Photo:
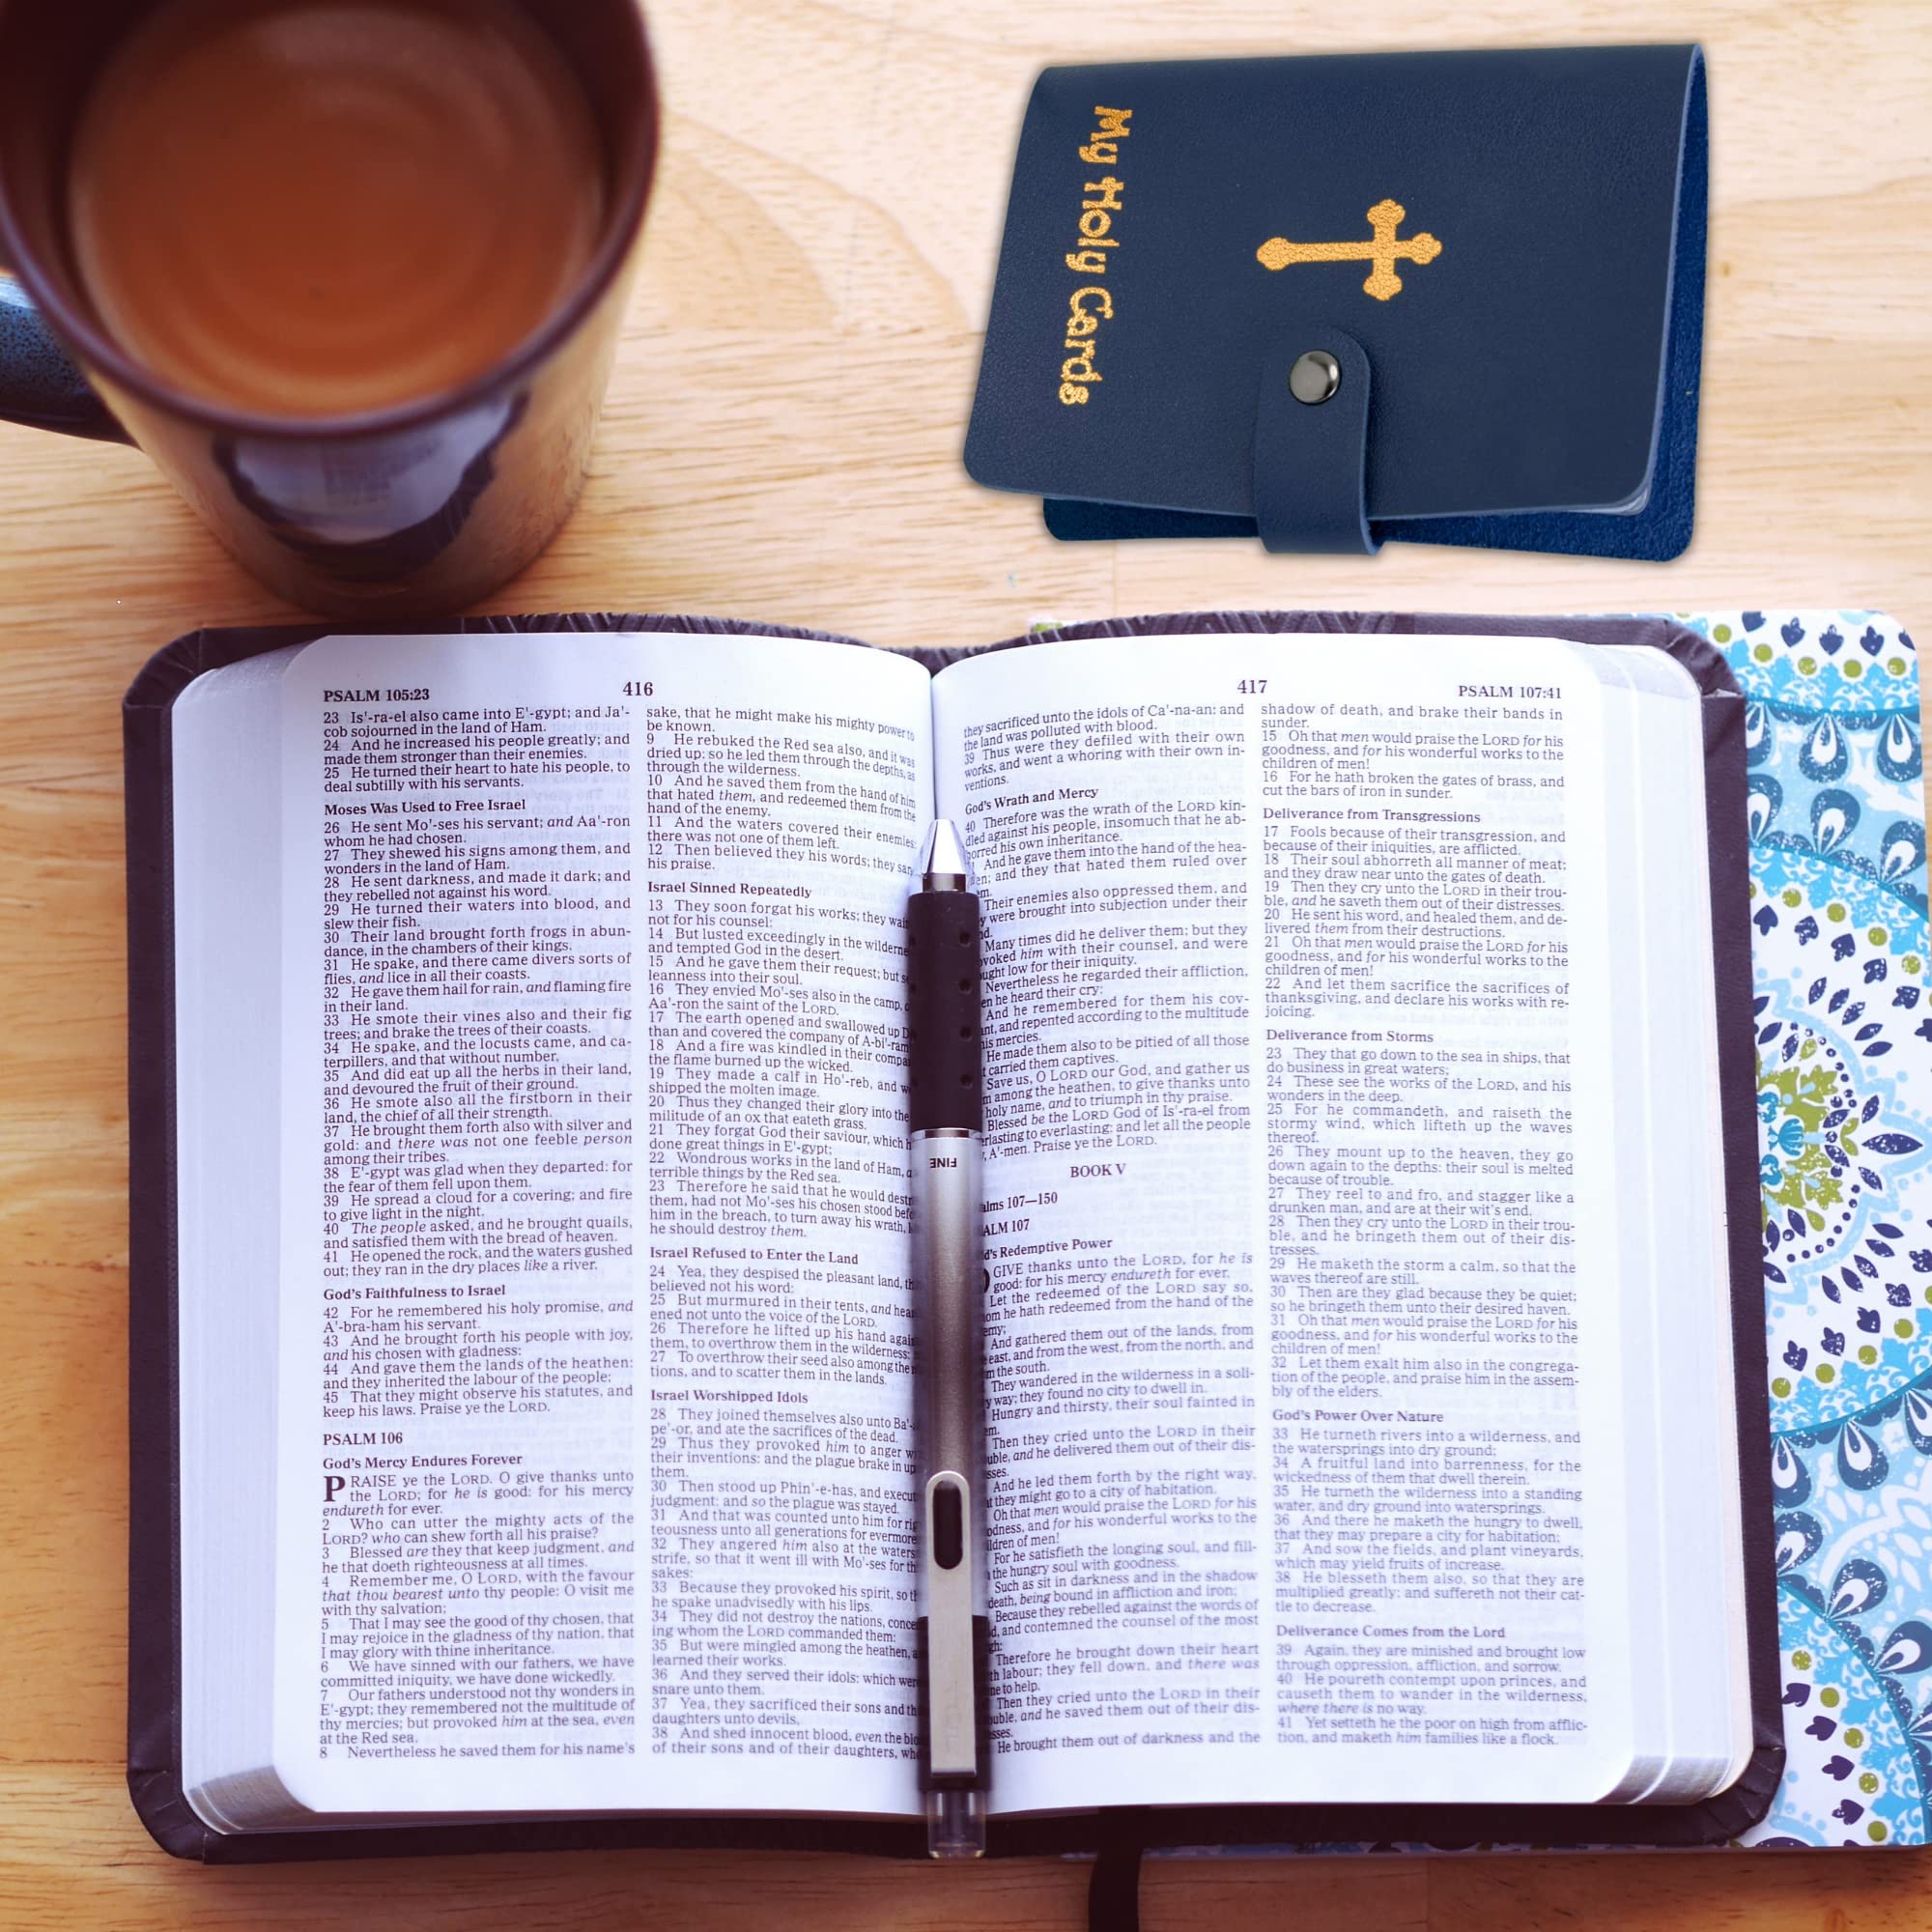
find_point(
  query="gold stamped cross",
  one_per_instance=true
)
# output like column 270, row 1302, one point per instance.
column 1383, row 250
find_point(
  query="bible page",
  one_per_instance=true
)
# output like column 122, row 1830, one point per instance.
column 1305, row 1345
column 594, row 1408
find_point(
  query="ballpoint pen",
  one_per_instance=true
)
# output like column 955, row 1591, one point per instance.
column 945, row 1116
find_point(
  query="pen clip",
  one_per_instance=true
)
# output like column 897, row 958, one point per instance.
column 951, row 1679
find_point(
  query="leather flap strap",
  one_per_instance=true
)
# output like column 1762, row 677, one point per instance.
column 1312, row 441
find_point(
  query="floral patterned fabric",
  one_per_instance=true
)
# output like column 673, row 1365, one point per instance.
column 1844, row 1044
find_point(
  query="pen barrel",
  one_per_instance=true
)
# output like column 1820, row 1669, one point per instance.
column 949, row 1358
column 948, row 1379
column 943, row 1047
column 944, row 1114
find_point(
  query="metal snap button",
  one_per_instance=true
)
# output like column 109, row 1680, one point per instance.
column 1315, row 377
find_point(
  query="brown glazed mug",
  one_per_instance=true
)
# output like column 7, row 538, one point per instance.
column 421, row 507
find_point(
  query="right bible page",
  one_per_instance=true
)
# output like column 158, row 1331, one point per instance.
column 1310, row 1309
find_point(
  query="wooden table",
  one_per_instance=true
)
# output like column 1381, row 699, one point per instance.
column 782, row 442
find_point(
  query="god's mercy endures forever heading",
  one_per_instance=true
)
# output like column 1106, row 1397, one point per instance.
column 1093, row 303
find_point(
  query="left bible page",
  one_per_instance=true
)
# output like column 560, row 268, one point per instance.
column 592, row 1487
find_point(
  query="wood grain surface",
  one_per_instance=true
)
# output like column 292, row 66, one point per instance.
column 782, row 442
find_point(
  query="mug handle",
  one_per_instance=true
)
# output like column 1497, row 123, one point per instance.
column 39, row 383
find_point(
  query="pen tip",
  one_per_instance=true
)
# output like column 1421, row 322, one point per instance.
column 942, row 862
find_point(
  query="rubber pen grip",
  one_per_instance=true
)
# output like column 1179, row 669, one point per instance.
column 943, row 1047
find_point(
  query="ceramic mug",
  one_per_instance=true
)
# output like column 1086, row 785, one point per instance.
column 409, row 510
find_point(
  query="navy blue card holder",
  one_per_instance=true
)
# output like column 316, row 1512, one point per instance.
column 1338, row 300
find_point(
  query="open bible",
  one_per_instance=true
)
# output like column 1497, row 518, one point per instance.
column 1362, row 1403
